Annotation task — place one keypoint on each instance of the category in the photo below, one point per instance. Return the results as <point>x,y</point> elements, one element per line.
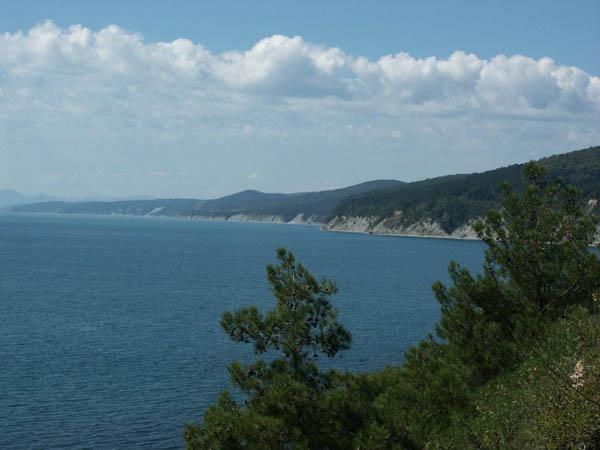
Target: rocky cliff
<point>299,219</point>
<point>393,226</point>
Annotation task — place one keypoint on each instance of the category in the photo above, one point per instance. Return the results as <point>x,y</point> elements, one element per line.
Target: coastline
<point>394,226</point>
<point>417,230</point>
<point>399,235</point>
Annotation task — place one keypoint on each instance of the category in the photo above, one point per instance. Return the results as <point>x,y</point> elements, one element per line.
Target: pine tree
<point>290,402</point>
<point>537,265</point>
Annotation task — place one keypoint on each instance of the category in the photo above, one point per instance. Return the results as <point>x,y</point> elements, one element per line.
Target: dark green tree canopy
<point>290,403</point>
<point>537,265</point>
<point>303,323</point>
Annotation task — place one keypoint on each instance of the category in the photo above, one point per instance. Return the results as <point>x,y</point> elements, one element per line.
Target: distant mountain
<point>8,197</point>
<point>246,205</point>
<point>157,207</point>
<point>314,206</point>
<point>446,206</point>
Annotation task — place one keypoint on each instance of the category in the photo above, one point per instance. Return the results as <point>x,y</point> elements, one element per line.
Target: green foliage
<point>291,403</point>
<point>515,362</point>
<point>417,401</point>
<point>536,266</point>
<point>551,401</point>
<point>537,244</point>
<point>303,323</point>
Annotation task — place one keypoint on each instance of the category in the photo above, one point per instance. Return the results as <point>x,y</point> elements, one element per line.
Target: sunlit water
<point>109,334</point>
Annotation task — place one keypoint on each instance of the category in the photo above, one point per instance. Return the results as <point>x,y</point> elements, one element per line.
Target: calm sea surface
<point>109,334</point>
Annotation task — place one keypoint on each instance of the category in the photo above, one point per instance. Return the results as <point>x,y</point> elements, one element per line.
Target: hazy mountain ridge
<point>156,207</point>
<point>8,197</point>
<point>249,205</point>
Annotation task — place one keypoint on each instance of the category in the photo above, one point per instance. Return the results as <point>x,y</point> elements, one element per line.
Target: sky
<point>199,99</point>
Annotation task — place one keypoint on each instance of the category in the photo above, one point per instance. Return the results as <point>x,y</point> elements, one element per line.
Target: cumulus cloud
<point>76,63</point>
<point>59,82</point>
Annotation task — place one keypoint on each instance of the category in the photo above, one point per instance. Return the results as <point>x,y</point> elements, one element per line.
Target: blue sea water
<point>109,326</point>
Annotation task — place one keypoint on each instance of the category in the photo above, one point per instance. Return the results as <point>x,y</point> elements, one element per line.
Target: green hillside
<point>311,204</point>
<point>454,200</point>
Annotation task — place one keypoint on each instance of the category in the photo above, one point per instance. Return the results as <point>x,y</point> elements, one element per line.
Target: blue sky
<point>185,98</point>
<point>568,32</point>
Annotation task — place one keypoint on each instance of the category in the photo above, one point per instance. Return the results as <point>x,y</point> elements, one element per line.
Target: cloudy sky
<point>183,99</point>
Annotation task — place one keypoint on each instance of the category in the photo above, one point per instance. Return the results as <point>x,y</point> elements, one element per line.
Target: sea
<point>109,325</point>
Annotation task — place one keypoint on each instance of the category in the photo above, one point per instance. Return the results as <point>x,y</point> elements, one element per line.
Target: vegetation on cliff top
<point>455,200</point>
<point>514,362</point>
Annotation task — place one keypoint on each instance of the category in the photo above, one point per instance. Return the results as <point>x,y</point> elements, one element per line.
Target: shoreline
<point>160,217</point>
<point>397,235</point>
<point>320,225</point>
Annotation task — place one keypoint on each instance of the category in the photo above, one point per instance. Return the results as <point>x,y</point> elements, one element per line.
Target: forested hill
<point>316,205</point>
<point>441,206</point>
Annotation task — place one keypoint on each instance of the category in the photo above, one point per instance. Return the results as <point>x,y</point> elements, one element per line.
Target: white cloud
<point>75,85</point>
<point>593,92</point>
<point>285,66</point>
<point>78,65</point>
